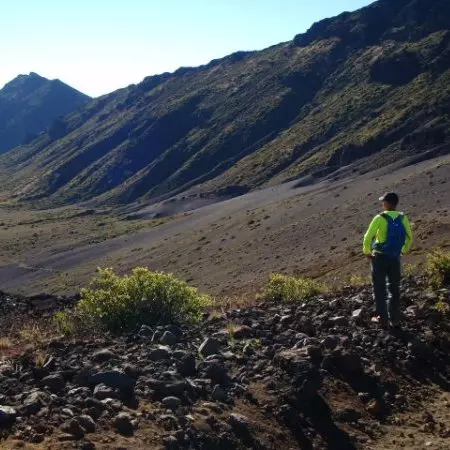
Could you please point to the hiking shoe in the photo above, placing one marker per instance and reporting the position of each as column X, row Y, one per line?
column 382, row 322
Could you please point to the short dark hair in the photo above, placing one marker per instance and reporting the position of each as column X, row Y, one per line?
column 390, row 197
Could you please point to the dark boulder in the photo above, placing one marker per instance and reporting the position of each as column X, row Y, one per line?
column 113, row 379
column 103, row 355
column 54, row 383
column 7, row 415
column 210, row 346
column 124, row 424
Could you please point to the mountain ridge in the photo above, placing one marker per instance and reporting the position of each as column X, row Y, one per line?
column 350, row 88
column 30, row 103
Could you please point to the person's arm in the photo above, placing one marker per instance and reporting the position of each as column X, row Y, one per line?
column 408, row 239
column 370, row 235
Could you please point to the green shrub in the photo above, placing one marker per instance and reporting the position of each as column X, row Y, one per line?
column 409, row 270
column 64, row 323
column 288, row 289
column 358, row 280
column 437, row 268
column 144, row 297
column 442, row 306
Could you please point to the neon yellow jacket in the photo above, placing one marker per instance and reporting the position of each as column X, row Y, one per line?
column 378, row 231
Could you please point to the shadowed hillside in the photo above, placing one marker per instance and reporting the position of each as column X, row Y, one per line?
column 370, row 84
column 29, row 104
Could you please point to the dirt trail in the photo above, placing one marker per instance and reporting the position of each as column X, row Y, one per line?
column 412, row 430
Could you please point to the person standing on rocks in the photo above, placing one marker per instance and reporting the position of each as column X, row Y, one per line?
column 388, row 237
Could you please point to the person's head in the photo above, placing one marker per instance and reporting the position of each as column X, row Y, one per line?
column 389, row 201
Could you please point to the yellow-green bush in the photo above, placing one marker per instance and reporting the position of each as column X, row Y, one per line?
column 437, row 268
column 64, row 322
column 288, row 289
column 143, row 297
column 358, row 280
column 442, row 306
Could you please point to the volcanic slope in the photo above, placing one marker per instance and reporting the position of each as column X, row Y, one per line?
column 371, row 85
column 30, row 104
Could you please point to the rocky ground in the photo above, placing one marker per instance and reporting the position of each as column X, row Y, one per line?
column 308, row 375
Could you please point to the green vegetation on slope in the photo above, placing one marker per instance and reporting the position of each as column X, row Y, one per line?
column 289, row 289
column 143, row 297
column 437, row 268
column 373, row 83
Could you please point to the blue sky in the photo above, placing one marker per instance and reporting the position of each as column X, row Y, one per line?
column 98, row 46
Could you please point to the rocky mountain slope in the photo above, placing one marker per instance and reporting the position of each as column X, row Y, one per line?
column 310, row 375
column 29, row 104
column 372, row 86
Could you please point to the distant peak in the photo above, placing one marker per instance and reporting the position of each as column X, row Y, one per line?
column 34, row 75
column 23, row 83
column 31, row 75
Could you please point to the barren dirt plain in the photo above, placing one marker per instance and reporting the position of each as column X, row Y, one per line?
column 226, row 248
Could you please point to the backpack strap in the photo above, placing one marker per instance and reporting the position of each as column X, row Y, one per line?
column 389, row 218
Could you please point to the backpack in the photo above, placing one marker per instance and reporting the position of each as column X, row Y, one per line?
column 396, row 237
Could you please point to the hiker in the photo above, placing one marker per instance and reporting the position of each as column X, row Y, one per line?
column 387, row 239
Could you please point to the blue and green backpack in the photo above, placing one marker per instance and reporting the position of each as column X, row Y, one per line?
column 396, row 237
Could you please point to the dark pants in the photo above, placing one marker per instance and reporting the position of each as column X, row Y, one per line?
column 386, row 268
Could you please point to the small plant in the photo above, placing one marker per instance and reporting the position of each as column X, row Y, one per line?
column 410, row 270
column 358, row 280
column 32, row 334
column 64, row 323
column 254, row 343
column 144, row 297
column 216, row 315
column 5, row 343
column 442, row 307
column 40, row 358
column 288, row 289
column 231, row 330
column 437, row 268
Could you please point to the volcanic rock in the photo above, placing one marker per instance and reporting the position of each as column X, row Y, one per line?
column 113, row 379
column 7, row 415
column 124, row 424
column 103, row 355
column 210, row 346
